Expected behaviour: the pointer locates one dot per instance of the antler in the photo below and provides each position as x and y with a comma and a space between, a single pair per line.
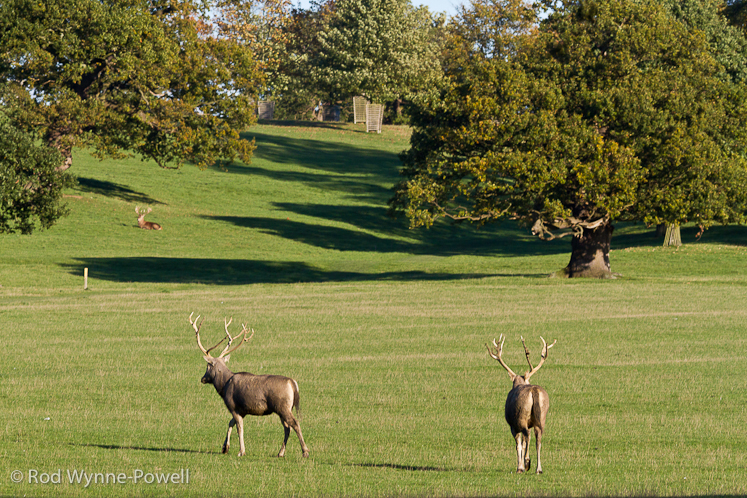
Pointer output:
226, 350
543, 357
526, 352
498, 353
197, 334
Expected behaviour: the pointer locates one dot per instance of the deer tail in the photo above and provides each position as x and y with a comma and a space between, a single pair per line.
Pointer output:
297, 400
537, 408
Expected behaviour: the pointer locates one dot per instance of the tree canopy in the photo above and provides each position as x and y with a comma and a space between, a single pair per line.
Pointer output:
157, 79
30, 183
384, 49
609, 110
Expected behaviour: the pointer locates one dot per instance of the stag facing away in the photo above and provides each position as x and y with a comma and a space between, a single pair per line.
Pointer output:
248, 394
526, 405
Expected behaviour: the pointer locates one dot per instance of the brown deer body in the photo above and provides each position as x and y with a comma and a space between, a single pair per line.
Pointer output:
526, 406
247, 394
145, 225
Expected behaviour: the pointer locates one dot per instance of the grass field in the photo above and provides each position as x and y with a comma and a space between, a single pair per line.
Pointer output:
382, 327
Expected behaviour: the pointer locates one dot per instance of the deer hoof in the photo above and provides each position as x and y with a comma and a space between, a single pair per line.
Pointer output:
224, 449
241, 453
306, 454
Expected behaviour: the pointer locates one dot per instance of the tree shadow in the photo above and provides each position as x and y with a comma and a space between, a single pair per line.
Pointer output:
137, 448
110, 189
411, 468
242, 272
444, 239
639, 235
330, 125
332, 157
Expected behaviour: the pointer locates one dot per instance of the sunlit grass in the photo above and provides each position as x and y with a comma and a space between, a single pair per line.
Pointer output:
383, 328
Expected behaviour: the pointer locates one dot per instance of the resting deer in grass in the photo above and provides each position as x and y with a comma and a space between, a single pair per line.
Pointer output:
248, 394
526, 405
145, 225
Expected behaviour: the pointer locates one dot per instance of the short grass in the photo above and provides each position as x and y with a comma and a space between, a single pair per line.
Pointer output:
383, 327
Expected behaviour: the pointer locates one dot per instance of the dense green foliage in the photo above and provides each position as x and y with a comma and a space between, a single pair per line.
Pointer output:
382, 327
611, 110
127, 75
30, 184
383, 49
727, 43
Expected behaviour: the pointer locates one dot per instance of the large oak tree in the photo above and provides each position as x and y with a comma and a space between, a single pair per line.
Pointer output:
30, 182
609, 110
147, 76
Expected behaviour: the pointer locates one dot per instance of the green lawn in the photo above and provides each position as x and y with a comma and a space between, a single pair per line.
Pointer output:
382, 327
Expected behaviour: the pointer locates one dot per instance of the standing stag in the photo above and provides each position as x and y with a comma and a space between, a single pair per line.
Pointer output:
526, 405
248, 394
145, 225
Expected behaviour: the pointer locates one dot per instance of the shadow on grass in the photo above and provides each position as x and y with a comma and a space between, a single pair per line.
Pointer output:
243, 272
110, 189
331, 125
333, 157
444, 239
138, 448
638, 235
411, 468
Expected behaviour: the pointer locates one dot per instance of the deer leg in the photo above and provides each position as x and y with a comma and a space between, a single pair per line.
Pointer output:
538, 441
304, 448
527, 459
518, 436
240, 423
287, 431
226, 444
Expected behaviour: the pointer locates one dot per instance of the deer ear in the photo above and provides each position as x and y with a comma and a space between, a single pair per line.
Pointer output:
226, 358
208, 359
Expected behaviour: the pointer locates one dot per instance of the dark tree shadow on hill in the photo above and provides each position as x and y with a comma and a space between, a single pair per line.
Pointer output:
331, 157
242, 272
444, 239
110, 189
331, 125
360, 173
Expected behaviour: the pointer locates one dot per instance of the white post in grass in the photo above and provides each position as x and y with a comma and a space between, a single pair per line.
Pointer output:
85, 278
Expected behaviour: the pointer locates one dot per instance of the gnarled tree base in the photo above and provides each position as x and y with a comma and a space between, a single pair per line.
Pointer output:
590, 255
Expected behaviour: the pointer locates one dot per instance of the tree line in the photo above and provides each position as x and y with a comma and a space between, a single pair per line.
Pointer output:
567, 115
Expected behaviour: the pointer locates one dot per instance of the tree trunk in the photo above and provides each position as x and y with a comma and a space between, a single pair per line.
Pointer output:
590, 254
58, 141
672, 236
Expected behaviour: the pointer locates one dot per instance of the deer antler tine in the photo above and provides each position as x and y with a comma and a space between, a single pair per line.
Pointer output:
241, 342
492, 355
219, 343
543, 357
196, 328
498, 354
526, 352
